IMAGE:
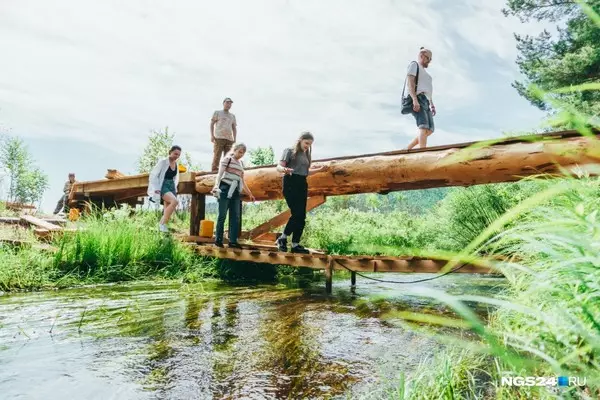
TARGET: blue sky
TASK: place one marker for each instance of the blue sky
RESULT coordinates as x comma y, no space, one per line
84,82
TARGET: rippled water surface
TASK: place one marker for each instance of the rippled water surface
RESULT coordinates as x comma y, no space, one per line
212,341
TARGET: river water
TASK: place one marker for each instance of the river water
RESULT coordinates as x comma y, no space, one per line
215,341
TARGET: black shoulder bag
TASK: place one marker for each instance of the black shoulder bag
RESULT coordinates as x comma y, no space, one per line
407,103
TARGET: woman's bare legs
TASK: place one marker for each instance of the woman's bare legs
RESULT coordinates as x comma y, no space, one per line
170,205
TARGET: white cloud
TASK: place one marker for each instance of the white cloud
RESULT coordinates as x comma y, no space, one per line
482,24
108,72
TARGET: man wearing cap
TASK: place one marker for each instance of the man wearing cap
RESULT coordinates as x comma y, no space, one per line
223,132
420,89
65,197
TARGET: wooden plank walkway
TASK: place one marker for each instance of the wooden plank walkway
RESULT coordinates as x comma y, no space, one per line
323,261
329,263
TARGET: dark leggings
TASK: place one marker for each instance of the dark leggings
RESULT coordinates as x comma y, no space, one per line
295,192
234,205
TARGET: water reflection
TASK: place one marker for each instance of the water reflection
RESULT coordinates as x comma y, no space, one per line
208,341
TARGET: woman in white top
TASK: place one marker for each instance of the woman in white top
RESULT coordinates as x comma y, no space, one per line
162,184
228,186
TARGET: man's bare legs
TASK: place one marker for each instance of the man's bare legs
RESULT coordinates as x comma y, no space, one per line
421,139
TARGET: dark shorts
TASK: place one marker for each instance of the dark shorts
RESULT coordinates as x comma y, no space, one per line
167,186
424,117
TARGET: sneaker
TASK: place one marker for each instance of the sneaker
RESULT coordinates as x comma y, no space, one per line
219,244
234,246
281,244
300,249
163,228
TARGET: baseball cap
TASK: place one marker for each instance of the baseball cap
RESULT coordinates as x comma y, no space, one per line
227,99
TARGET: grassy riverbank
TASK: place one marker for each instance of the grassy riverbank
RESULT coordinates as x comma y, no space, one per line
121,245
107,248
545,324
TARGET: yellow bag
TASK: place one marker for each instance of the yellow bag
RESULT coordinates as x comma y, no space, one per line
182,168
206,228
74,214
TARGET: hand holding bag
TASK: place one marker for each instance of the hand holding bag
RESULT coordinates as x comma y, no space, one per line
407,103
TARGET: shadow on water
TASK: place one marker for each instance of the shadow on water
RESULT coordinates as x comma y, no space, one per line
212,340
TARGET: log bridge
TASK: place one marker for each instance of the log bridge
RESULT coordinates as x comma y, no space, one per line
464,164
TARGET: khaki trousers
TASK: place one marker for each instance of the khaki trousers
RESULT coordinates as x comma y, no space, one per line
220,148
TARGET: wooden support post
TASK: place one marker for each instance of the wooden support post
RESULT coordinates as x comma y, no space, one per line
353,278
194,228
329,276
197,213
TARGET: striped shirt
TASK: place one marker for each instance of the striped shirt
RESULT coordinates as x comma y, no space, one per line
234,170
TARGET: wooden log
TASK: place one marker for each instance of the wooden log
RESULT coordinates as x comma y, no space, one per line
282,218
388,172
30,219
114,174
129,182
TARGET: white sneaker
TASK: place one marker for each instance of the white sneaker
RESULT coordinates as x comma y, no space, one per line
163,228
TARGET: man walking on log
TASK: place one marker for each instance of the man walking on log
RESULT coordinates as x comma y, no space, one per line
223,132
420,89
64,200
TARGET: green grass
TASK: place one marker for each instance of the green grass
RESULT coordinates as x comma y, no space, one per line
24,269
547,323
110,247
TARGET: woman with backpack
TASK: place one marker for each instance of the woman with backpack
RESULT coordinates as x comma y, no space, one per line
295,164
228,186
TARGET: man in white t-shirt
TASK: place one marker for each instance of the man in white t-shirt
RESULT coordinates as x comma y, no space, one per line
223,132
422,97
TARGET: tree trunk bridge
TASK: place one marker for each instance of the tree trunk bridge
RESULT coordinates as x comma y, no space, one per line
465,164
